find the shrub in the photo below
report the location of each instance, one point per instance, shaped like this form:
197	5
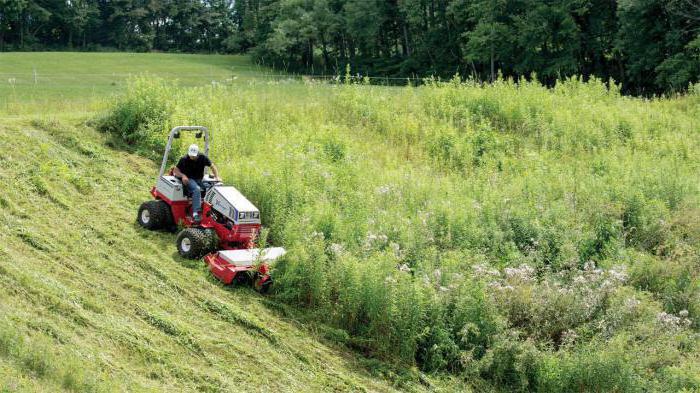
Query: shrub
140	117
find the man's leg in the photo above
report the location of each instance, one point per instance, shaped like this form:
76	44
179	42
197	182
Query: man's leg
196	193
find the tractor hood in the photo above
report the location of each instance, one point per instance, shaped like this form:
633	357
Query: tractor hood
228	201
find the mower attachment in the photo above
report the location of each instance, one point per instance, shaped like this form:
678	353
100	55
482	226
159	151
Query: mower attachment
242	265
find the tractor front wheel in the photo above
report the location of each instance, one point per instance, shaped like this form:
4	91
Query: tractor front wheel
192	243
154	215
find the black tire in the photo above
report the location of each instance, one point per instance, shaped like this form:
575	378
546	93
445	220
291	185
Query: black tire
154	215
192	243
167	214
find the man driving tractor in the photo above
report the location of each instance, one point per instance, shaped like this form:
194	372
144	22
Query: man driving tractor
190	169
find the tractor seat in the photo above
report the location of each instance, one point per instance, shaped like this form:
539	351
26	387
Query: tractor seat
185	190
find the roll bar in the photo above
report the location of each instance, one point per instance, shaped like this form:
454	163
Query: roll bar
175	133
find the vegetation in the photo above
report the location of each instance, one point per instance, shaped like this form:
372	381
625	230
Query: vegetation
92	303
518	237
649	46
448	237
62	82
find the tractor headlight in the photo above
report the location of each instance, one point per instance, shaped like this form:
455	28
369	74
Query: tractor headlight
256	214
241	215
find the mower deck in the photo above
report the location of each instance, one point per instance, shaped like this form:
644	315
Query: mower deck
227	264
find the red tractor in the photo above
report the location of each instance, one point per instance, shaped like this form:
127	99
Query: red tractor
227	231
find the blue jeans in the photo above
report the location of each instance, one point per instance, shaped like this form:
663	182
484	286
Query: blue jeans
195	188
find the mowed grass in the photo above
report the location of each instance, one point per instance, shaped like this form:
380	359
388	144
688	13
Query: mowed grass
91	302
78	82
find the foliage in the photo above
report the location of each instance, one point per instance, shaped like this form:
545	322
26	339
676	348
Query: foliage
92	303
138	118
524	237
649	46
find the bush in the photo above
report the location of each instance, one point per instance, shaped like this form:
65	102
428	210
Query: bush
139	118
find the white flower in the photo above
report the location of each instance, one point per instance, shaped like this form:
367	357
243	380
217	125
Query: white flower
404	268
632	303
383	190
317	235
336	248
618	273
484	270
669	321
524	272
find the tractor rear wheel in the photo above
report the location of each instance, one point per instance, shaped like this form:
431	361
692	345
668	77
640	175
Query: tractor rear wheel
192	243
154	215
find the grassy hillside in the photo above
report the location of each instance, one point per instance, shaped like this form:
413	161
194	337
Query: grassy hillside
90	302
519	237
496	238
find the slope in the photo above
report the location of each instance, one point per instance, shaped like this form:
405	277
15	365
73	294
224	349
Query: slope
91	302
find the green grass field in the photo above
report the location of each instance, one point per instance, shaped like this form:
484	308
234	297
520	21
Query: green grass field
454	236
79	82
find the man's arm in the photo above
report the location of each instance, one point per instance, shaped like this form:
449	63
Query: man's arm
178	173
214	171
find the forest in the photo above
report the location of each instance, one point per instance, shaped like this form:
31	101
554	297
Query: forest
649	46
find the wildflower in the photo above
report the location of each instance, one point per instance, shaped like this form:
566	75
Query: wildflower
404	268
631	303
383	190
523	273
618	273
318	235
668	321
396	248
568	337
336	248
437	274
484	270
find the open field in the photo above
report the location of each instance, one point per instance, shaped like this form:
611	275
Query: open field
30	82
507	237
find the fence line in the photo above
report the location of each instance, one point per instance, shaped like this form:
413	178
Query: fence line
37	76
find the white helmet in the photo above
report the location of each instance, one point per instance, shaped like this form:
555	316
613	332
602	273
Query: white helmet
193	151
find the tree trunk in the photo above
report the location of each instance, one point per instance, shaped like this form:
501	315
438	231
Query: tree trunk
493	68
406	47
326	57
